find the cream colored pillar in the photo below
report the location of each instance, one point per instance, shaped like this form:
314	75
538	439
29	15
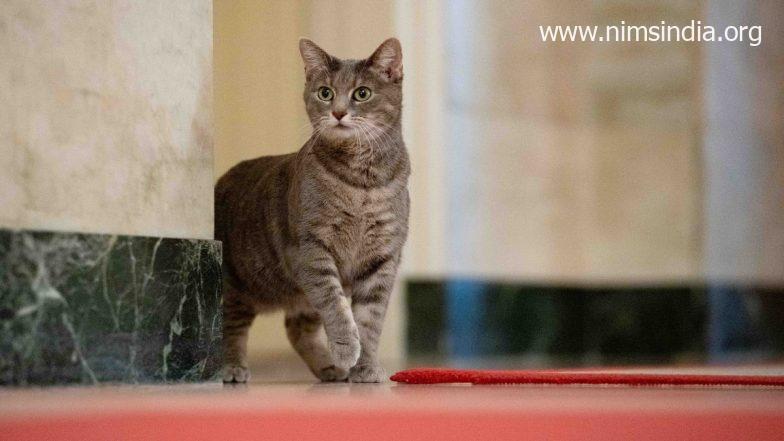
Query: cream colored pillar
106	119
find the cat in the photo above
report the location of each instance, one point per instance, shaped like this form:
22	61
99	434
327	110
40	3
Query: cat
319	232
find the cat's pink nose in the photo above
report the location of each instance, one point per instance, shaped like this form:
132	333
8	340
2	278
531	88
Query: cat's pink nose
338	115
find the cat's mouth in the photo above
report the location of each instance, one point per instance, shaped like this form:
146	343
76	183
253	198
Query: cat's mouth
340	130
343	127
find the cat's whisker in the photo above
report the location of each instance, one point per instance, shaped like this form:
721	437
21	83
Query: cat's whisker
357	141
364	121
372	139
316	135
374	146
367	137
378	136
362	142
381	147
315	127
307	126
377	132
375	122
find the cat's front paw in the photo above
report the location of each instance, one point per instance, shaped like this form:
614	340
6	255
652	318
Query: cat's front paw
345	353
367	373
235	374
332	374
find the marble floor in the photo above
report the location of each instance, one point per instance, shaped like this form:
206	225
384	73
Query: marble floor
286	404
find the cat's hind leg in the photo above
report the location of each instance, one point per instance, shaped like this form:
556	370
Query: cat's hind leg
303	328
237	318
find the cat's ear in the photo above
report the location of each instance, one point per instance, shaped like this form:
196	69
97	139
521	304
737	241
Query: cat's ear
387	60
314	57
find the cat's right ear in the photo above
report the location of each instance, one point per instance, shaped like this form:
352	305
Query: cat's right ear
314	57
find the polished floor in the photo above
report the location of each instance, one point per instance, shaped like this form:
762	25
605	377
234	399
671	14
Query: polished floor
303	410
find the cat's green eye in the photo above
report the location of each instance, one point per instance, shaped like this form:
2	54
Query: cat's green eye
325	93
362	94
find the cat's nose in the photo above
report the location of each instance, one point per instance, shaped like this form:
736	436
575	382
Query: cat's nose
338	115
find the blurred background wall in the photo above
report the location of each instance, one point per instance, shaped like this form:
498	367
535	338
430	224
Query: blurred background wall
571	162
547	164
743	185
106	119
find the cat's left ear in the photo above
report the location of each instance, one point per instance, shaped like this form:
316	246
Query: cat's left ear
387	60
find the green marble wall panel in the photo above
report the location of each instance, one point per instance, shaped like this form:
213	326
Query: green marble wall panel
84	308
550	325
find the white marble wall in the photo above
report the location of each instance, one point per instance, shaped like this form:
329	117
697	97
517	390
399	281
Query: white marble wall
744	148
106	119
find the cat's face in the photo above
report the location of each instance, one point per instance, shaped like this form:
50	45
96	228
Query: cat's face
356	100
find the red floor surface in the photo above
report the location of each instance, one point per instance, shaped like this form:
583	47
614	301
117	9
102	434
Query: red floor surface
392	412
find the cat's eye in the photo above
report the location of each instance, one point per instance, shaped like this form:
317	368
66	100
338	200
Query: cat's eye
362	94
325	93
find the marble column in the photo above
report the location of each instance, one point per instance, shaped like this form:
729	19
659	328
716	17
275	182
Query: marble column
106	144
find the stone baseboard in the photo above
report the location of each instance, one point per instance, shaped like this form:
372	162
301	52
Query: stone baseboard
89	309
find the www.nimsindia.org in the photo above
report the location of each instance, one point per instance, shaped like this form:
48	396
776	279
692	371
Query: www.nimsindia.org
663	32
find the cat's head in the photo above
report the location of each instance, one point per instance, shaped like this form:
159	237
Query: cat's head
353	99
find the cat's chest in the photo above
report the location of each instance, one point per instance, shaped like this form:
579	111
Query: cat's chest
361	225
352	219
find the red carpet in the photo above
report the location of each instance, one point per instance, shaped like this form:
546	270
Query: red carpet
436	376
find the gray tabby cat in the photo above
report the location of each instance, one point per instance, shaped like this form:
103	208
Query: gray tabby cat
319	232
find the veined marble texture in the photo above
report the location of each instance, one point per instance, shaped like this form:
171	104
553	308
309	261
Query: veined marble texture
84	308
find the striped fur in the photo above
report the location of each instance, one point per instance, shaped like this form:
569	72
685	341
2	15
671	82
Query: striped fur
318	233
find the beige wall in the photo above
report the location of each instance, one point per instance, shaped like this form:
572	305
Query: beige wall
571	162
258	79
420	27
106	120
